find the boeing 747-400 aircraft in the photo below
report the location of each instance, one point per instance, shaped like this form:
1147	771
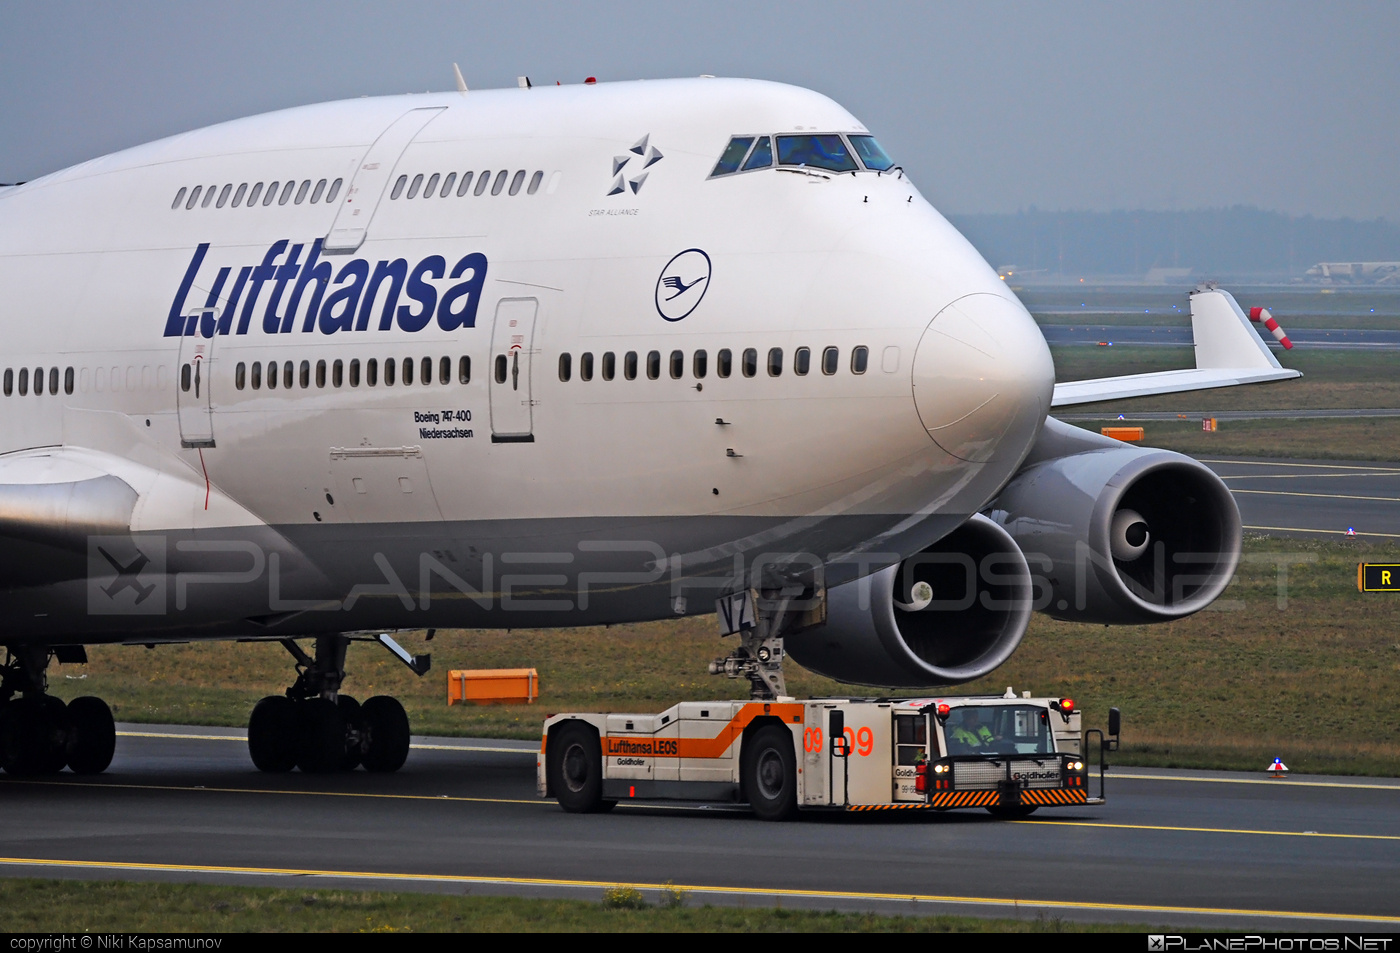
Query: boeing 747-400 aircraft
547	357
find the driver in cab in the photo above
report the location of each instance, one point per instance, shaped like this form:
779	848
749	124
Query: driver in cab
970	734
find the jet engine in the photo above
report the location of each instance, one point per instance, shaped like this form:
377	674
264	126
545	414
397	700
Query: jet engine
1121	534
949	614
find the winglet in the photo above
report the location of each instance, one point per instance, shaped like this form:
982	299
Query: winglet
461	83
1224	337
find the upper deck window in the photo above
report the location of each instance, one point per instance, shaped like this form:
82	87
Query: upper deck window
827	152
733	154
871	155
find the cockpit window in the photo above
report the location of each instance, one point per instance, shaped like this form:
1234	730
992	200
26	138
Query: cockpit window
733	154
816	152
871	154
762	155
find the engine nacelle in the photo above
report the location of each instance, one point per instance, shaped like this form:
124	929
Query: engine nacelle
949	614
1121	534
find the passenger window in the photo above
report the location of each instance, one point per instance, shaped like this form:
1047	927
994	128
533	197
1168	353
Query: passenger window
270	194
23	381
305	375
802	361
860	358
677	364
653	365
724	363
301	192
337	374
223	196
407	372
271	375
208	197
355	373
465	184
9	381
335	190
817	152
762	156
185	377
775	362
320	373
750	366
287	372
257	376
68	380
566	366
482	182
417	183
447	184
733	154
534	183
698	364
399	187
585	366
253	195
629	366
286	193
179	197
371	372
426	371
516	181
609	369
238	195
445	370
431	187
500	182
389	372
316	192
830	358
53	380
464	370
194	197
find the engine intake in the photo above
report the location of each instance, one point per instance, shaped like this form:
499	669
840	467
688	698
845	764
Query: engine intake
949	614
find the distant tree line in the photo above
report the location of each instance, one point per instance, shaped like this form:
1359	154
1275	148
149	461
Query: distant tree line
1235	240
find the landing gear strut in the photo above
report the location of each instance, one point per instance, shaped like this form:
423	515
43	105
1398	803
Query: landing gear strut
39	734
761	620
318	729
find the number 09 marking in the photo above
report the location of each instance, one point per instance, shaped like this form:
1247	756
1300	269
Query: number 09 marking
812	739
862	742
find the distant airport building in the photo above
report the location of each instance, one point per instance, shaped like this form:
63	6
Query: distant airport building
1356	272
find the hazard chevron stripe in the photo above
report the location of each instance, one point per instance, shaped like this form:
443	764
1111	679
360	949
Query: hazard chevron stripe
888	807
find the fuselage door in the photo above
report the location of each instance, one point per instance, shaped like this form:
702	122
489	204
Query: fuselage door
372	178
512	343
194	379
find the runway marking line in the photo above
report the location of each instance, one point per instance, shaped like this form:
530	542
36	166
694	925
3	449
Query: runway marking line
1320	496
1307	466
219	790
244	738
1272	782
1332	532
1015	902
1210	830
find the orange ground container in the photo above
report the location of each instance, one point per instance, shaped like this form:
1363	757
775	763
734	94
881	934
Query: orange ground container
1130	434
492	686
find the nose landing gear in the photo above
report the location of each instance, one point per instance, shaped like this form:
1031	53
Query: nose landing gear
319	730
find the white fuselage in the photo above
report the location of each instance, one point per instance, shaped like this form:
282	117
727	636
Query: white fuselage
326	504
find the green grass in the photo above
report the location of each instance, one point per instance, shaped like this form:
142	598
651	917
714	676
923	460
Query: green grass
1312	683
1357	438
53	906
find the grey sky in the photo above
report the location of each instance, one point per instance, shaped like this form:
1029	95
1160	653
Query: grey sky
990	106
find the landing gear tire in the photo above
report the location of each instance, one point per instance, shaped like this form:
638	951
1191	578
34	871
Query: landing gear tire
769	774
34	735
386	728
575	770
92	735
320	736
354	732
1011	812
272	734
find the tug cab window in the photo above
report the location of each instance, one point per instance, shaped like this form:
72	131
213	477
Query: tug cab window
816	152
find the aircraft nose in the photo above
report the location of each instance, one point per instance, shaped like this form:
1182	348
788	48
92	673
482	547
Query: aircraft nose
983	378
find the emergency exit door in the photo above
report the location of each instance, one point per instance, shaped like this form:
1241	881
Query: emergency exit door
512	349
194	386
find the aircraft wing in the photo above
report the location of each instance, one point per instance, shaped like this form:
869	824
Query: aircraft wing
1228	352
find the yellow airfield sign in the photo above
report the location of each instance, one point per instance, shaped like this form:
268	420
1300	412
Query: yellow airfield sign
1378	577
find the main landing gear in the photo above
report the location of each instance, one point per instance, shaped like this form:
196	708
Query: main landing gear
39	734
319	730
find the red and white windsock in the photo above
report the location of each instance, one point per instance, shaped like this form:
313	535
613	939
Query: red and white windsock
1262	314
